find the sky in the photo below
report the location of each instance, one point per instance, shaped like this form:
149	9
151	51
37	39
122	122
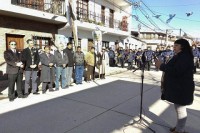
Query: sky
188	24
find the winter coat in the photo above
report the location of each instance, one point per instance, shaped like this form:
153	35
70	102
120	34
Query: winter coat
27	59
47	73
178	84
70	54
59	59
79	59
90	58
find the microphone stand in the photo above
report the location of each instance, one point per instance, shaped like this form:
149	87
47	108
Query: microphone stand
141	119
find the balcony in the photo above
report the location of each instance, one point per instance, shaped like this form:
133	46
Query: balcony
99	19
51	6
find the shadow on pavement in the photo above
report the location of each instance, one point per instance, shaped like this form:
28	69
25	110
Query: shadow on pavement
102	109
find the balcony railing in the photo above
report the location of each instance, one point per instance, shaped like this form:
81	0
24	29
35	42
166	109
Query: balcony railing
51	6
99	19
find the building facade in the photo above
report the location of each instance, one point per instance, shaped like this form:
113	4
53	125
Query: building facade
157	39
30	19
110	17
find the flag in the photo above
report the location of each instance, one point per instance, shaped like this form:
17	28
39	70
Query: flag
157	16
171	16
189	14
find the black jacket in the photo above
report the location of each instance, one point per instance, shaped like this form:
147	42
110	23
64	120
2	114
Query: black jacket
178	82
11	59
70	54
27	60
59	59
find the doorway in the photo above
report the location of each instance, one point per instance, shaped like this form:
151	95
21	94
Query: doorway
19	39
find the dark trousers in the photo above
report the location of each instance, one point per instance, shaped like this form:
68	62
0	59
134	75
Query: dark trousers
44	85
139	64
111	62
122	62
12	79
130	65
148	65
90	72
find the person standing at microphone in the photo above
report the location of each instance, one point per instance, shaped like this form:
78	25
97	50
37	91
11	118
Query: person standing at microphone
177	85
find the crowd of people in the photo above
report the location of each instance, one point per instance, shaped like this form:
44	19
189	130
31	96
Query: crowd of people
55	68
58	67
144	58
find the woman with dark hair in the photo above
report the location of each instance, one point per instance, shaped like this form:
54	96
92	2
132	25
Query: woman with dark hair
177	83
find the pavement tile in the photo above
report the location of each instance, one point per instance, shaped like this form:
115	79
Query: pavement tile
53	116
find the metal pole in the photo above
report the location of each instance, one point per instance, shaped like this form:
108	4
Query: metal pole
166	37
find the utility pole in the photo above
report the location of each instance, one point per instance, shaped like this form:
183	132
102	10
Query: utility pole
180	33
72	21
166	41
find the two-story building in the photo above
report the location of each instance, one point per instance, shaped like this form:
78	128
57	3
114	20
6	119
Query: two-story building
156	39
111	17
35	19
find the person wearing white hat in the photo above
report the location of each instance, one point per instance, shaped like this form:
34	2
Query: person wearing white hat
103	62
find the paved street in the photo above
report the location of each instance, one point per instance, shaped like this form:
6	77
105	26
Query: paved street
103	106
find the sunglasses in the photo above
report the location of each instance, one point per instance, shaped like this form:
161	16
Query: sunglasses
13	44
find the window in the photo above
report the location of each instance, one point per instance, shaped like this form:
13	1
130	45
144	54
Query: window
40	42
105	44
82	9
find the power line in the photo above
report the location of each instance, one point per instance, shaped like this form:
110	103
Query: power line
195	4
134	16
148	18
156	14
177	17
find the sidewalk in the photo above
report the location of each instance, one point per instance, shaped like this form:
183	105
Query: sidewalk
103	106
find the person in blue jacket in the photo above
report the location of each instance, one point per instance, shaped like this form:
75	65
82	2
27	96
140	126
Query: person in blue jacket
168	54
111	55
148	56
196	55
130	59
139	58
